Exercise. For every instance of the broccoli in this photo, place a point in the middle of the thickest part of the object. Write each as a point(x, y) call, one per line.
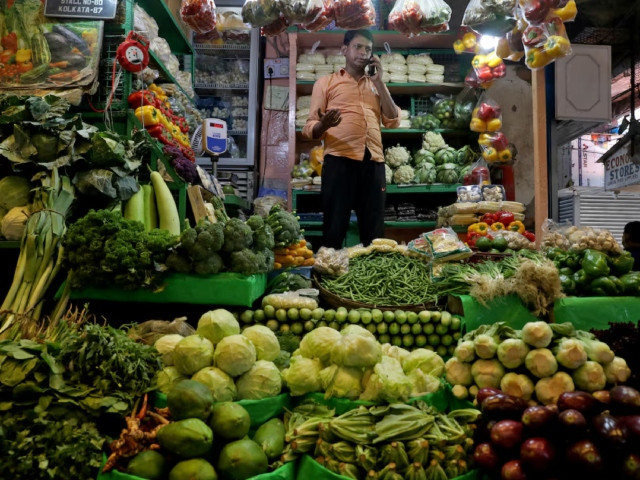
point(285, 226)
point(210, 265)
point(246, 261)
point(255, 222)
point(237, 235)
point(263, 238)
point(179, 262)
point(202, 241)
point(287, 281)
point(289, 342)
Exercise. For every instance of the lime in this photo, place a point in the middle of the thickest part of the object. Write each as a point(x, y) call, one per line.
point(500, 244)
point(341, 315)
point(318, 313)
point(484, 244)
point(259, 316)
point(269, 311)
point(281, 315)
point(424, 316)
point(401, 316)
point(353, 316)
point(366, 317)
point(412, 317)
point(376, 315)
point(328, 315)
point(305, 314)
point(388, 316)
point(293, 313)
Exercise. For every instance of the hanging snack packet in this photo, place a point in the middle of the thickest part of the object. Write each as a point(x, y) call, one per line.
point(260, 12)
point(299, 12)
point(354, 14)
point(490, 17)
point(413, 17)
point(200, 15)
point(487, 116)
point(323, 19)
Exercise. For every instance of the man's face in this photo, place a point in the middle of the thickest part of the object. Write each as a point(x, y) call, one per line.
point(357, 53)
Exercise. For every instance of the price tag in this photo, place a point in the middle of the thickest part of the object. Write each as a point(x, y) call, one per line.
point(98, 9)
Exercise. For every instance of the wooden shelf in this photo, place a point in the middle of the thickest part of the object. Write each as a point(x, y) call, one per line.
point(332, 38)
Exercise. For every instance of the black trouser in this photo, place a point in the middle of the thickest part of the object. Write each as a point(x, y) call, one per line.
point(352, 185)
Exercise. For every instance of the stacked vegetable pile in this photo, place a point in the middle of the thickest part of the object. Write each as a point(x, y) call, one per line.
point(434, 330)
point(14, 206)
point(352, 364)
point(583, 436)
point(233, 366)
point(184, 446)
point(541, 361)
point(395, 441)
point(435, 162)
point(590, 272)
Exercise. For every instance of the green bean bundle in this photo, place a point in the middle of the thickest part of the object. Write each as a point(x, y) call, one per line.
point(389, 279)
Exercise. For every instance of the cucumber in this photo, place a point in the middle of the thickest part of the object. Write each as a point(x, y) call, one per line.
point(134, 207)
point(150, 209)
point(270, 436)
point(168, 217)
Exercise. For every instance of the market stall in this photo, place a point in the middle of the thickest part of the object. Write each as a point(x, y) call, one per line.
point(469, 348)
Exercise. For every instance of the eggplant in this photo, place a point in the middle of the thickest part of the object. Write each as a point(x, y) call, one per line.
point(486, 457)
point(72, 38)
point(485, 392)
point(513, 470)
point(507, 434)
point(585, 456)
point(603, 396)
point(537, 454)
point(502, 405)
point(632, 422)
point(75, 60)
point(611, 429)
point(631, 466)
point(625, 399)
point(572, 422)
point(538, 417)
point(57, 43)
point(584, 402)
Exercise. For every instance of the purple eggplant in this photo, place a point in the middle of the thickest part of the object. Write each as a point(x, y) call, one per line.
point(572, 422)
point(625, 399)
point(585, 456)
point(631, 466)
point(632, 422)
point(582, 401)
point(537, 417)
point(513, 470)
point(610, 429)
point(507, 434)
point(502, 405)
point(537, 454)
point(485, 392)
point(486, 457)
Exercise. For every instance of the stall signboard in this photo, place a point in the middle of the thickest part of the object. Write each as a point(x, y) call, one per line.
point(96, 9)
point(619, 169)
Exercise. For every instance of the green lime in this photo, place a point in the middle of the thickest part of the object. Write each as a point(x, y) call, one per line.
point(500, 244)
point(484, 244)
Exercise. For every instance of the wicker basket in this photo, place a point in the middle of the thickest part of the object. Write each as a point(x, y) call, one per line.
point(335, 301)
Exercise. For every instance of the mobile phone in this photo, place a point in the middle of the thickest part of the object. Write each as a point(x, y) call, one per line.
point(372, 68)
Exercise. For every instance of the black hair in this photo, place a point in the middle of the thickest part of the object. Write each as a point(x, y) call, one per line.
point(633, 230)
point(350, 34)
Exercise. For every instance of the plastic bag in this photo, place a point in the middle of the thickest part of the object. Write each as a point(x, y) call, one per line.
point(465, 102)
point(413, 17)
point(495, 147)
point(276, 27)
point(444, 245)
point(468, 41)
point(493, 193)
point(232, 28)
point(259, 13)
point(143, 23)
point(443, 109)
point(490, 17)
point(545, 42)
point(148, 332)
point(479, 173)
point(200, 15)
point(301, 11)
point(354, 14)
point(262, 205)
point(468, 194)
point(323, 19)
point(330, 261)
point(487, 116)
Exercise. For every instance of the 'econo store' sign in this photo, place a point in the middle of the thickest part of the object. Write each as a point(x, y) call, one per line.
point(619, 170)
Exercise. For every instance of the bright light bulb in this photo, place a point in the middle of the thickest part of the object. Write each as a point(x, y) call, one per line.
point(488, 42)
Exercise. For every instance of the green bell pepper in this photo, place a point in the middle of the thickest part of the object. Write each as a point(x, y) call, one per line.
point(552, 253)
point(603, 287)
point(582, 280)
point(621, 264)
point(630, 283)
point(573, 260)
point(560, 260)
point(566, 271)
point(568, 284)
point(594, 263)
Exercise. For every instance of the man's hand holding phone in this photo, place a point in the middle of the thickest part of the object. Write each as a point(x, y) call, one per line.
point(374, 70)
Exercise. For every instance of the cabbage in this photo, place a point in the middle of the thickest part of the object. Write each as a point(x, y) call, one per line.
point(14, 191)
point(303, 375)
point(219, 383)
point(265, 341)
point(372, 389)
point(165, 346)
point(356, 350)
point(426, 360)
point(394, 351)
point(318, 343)
point(192, 353)
point(396, 386)
point(235, 355)
point(341, 382)
point(217, 324)
point(423, 383)
point(357, 330)
point(263, 380)
point(14, 223)
point(167, 378)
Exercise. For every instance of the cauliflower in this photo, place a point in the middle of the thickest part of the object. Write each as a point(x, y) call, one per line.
point(403, 174)
point(388, 173)
point(397, 156)
point(433, 142)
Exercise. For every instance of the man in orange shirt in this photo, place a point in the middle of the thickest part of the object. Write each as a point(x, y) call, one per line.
point(346, 111)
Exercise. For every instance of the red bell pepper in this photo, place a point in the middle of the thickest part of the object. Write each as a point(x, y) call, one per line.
point(499, 71)
point(472, 237)
point(484, 73)
point(160, 132)
point(505, 217)
point(533, 36)
point(141, 98)
point(536, 10)
point(499, 142)
point(529, 236)
point(488, 218)
point(10, 42)
point(487, 112)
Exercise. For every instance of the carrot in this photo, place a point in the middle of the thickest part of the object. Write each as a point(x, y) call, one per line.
point(308, 262)
point(277, 265)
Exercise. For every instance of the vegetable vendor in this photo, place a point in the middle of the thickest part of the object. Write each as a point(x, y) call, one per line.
point(346, 111)
point(631, 242)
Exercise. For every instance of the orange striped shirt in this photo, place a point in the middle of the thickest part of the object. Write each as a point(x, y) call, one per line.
point(361, 114)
